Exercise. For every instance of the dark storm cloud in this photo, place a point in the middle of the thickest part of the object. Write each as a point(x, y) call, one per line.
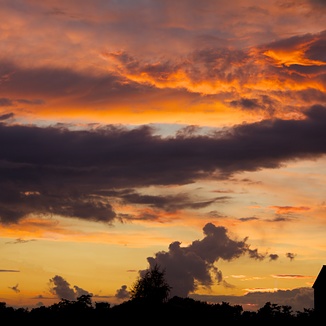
point(186, 267)
point(60, 171)
point(68, 202)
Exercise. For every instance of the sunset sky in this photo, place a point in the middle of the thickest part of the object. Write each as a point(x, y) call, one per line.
point(189, 134)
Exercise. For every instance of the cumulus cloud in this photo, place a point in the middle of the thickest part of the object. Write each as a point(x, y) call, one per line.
point(188, 267)
point(122, 293)
point(62, 289)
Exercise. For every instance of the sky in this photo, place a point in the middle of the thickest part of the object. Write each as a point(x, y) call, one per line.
point(187, 134)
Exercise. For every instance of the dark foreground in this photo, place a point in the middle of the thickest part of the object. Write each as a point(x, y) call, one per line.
point(173, 312)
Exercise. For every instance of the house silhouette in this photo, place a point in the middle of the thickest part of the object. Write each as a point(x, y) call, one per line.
point(319, 287)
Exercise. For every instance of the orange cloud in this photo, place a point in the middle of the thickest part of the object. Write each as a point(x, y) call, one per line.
point(254, 290)
point(292, 57)
point(289, 209)
point(291, 276)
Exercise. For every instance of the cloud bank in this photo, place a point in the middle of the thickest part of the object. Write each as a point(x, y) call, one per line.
point(75, 173)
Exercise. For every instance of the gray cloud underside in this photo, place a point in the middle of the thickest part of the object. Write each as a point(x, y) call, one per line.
point(68, 172)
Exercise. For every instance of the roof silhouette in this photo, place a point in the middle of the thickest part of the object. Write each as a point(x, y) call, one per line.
point(320, 281)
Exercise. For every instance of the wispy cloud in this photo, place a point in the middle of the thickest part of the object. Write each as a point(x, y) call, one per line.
point(291, 276)
point(289, 209)
point(14, 288)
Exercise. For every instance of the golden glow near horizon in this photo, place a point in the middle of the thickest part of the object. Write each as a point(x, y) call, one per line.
point(146, 129)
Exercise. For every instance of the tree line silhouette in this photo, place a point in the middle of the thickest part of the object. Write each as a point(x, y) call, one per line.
point(149, 304)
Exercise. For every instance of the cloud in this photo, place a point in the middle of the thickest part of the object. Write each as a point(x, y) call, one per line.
point(6, 116)
point(14, 288)
point(193, 265)
point(290, 255)
point(289, 209)
point(5, 102)
point(41, 86)
point(273, 79)
point(246, 219)
point(290, 276)
point(19, 241)
point(53, 170)
point(169, 203)
point(298, 298)
point(9, 271)
point(62, 289)
point(273, 257)
point(122, 293)
point(245, 78)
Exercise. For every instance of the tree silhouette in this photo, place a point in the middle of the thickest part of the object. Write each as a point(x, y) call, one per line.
point(151, 287)
point(273, 311)
point(141, 310)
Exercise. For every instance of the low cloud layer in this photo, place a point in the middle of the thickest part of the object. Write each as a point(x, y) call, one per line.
point(75, 173)
point(299, 299)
